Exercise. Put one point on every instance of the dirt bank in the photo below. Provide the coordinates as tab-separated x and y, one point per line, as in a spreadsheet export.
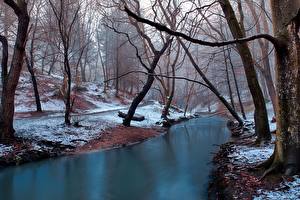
120	136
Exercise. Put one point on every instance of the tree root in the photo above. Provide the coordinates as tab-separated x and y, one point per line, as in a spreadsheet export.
274	167
268	163
264	165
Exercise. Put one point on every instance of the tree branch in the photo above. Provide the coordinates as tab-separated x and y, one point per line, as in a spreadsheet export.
14	6
158	75
164	28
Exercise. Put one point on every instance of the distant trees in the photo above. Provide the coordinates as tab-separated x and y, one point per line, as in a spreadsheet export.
10	77
117	54
262	25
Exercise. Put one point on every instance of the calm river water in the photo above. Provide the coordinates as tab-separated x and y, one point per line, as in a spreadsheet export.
173	166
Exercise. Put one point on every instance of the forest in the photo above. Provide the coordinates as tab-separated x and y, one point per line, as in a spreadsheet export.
149	99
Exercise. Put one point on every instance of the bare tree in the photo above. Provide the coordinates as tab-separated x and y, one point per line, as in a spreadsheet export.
30	58
65	22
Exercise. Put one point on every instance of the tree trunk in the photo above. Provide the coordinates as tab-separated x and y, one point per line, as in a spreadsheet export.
286	22
228	81
4	66
261	122
263	83
8	95
264	48
117	71
167	106
165	111
53	61
68	94
236	86
138	99
34	84
210	85
150	79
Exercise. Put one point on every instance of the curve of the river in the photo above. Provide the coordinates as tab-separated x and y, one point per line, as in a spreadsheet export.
174	166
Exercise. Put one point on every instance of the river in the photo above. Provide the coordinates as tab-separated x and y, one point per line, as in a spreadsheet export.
173	166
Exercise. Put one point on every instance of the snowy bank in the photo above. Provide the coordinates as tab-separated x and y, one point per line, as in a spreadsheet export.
288	190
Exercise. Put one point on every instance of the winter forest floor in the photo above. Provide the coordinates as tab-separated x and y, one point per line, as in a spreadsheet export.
97	126
236	177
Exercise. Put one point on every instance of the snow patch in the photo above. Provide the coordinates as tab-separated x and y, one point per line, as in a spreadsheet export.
287	190
53	129
251	155
269	106
4	149
151	112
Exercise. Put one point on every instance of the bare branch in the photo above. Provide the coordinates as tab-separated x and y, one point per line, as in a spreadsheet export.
164	28
159	75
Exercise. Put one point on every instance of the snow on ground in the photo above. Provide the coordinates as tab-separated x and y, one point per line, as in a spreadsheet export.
92	125
286	190
49	105
269	106
151	112
96	111
201	109
255	155
4	149
88	95
251	155
54	129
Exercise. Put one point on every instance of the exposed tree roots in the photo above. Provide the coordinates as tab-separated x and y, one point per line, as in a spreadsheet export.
273	168
266	164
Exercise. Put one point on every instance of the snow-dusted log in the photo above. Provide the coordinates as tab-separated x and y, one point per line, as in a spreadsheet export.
138	118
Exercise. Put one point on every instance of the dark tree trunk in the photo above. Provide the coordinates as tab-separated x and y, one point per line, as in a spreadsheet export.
165	111
150	79
138	99
8	94
262	125
34	84
228	80
4	72
286	22
68	94
236	86
167	106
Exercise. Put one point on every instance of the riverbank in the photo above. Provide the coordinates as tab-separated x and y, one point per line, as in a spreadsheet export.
235	175
120	136
115	137
47	137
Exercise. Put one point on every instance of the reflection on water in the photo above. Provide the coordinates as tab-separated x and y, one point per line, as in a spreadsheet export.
174	166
